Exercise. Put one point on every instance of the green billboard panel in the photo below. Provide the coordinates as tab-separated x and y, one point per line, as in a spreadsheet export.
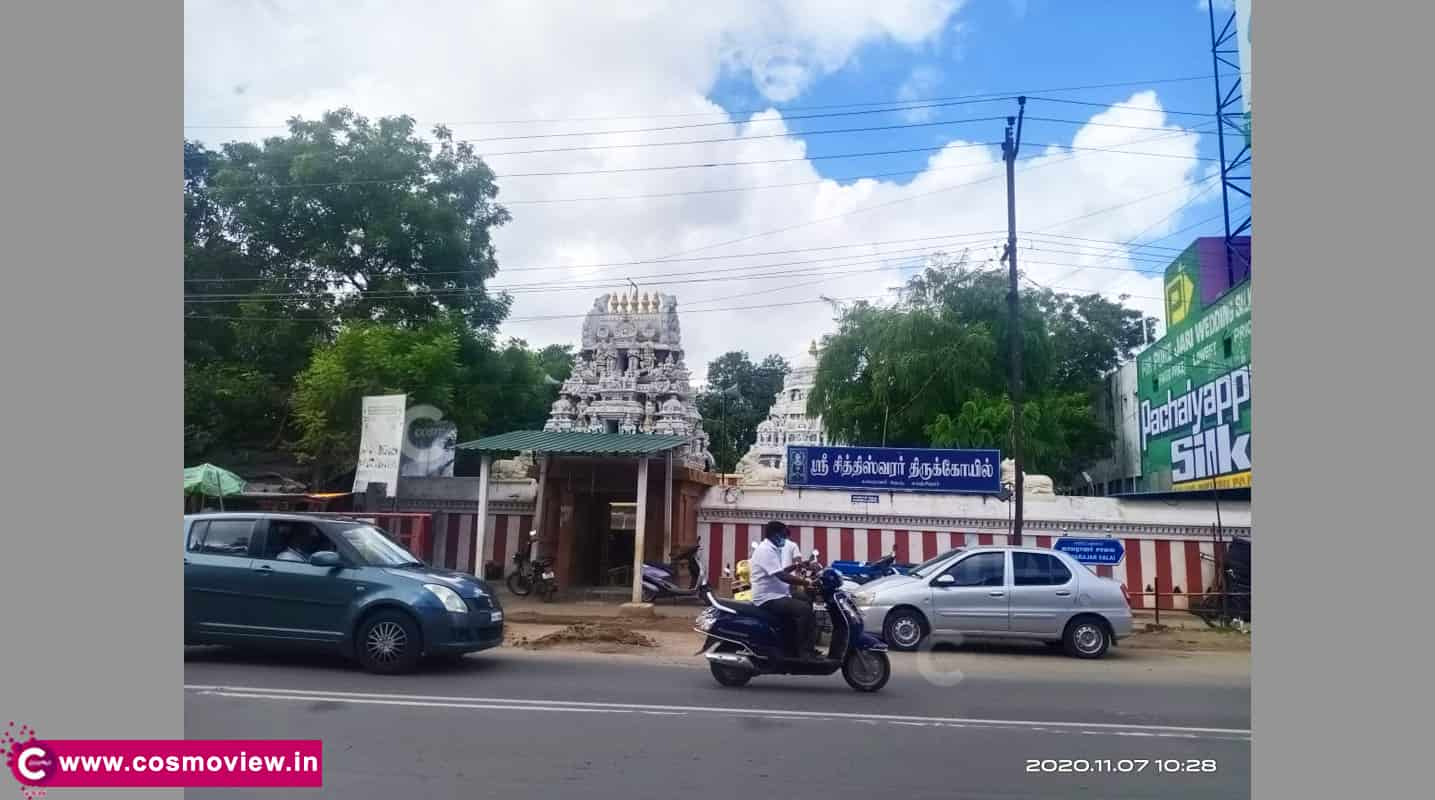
1195	399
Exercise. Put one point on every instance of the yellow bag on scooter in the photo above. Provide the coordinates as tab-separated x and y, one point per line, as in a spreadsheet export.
742	582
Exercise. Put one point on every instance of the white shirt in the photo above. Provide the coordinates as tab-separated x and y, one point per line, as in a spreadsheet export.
766	561
791	553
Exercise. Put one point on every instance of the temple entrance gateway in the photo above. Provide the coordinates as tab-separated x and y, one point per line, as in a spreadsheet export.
623	458
604	502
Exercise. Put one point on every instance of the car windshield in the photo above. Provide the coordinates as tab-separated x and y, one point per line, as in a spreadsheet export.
927	566
377	549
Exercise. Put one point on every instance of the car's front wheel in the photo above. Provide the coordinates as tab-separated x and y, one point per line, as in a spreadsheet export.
388	643
904	629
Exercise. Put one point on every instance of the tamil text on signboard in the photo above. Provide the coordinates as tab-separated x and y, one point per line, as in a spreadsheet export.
1105	552
894	469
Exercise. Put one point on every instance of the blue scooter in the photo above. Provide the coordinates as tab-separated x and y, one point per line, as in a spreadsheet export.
744	641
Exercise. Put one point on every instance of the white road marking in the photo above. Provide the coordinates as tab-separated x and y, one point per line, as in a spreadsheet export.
520	704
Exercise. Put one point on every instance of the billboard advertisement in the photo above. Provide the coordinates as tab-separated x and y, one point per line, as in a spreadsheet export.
1194	399
894	469
1199	276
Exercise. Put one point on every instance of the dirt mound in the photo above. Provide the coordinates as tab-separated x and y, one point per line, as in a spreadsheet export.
602	635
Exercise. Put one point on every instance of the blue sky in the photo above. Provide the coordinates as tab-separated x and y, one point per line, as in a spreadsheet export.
612	72
1011	46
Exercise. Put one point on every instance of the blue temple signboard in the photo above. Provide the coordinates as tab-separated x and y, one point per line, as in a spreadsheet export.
894	469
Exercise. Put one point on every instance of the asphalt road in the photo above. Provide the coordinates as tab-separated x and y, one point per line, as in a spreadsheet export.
512	723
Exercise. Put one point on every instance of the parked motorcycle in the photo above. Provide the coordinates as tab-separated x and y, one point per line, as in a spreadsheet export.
532	575
1232	593
743	641
660	580
860	572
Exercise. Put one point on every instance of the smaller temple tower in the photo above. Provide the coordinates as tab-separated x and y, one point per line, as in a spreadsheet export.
788	421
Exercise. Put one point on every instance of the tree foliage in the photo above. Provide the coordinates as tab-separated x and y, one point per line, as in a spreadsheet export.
343	258
443	363
738	396
932	370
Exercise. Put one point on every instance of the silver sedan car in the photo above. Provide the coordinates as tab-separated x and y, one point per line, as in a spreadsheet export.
999	592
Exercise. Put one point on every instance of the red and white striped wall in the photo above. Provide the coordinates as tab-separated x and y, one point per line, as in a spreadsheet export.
1185	564
454	540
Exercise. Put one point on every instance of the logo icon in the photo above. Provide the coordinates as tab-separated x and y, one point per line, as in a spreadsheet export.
1178	298
30	760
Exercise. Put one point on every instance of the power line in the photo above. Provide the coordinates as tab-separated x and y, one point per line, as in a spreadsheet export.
865	209
1127	106
809	134
751	188
545	288
1129	203
1192	201
547	317
622	170
886	107
708	165
1101	241
606	264
1125	152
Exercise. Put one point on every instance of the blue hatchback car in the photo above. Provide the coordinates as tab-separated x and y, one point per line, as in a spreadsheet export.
340	584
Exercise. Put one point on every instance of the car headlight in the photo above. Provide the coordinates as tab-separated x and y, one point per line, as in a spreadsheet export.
448	597
864	599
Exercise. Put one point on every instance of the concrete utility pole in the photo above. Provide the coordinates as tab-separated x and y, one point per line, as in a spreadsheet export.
1014	335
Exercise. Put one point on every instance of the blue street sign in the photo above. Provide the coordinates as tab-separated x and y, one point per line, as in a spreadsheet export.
894	469
866	498
1105	552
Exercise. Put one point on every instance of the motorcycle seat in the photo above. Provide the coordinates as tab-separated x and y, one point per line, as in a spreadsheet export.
749	610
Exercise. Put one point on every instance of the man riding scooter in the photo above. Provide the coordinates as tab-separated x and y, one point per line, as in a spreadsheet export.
773	573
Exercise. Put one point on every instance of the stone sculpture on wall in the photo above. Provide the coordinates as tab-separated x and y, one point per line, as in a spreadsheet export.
1031	484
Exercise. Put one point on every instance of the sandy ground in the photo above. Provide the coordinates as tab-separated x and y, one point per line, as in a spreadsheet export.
1186	654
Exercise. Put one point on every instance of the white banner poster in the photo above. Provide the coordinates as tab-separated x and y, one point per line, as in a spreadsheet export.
381	442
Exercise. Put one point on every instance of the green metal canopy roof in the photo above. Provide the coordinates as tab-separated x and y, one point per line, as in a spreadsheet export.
576	443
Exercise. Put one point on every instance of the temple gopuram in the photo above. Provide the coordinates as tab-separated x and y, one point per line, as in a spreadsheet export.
630	377
787	423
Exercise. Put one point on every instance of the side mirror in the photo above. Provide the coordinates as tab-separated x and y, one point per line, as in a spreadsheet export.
945	579
815	554
325	558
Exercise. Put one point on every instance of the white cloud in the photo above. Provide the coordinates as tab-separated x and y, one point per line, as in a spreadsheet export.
459	62
921	84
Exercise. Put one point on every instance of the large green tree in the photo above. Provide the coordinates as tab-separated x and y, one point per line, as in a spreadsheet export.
345	237
932	369
736	400
481	387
